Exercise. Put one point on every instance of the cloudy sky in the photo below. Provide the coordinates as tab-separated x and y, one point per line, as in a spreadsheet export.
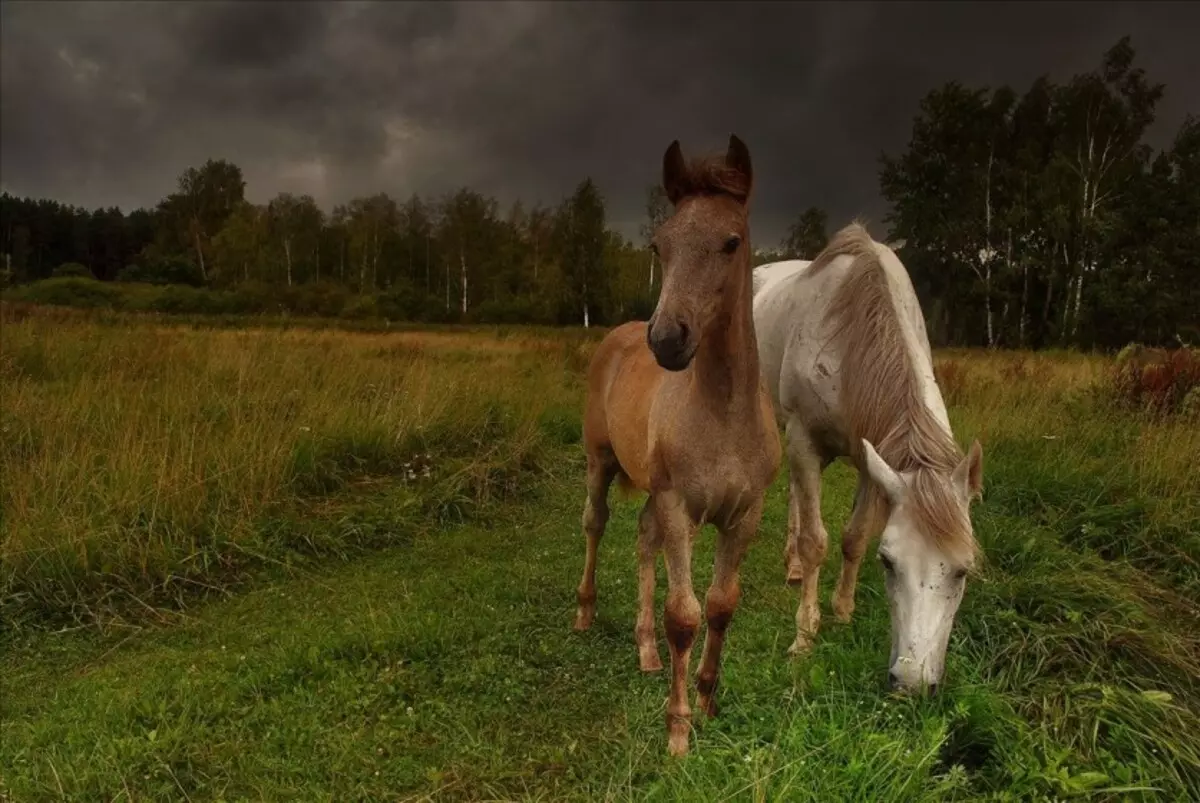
105	103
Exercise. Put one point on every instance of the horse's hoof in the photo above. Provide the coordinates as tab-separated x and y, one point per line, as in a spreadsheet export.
583	619
801	646
677	743
843	612
648	659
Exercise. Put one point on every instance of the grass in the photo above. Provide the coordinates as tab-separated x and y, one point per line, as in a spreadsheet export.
397	636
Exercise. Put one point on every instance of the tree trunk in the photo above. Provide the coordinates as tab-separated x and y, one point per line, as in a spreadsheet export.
987	298
374	257
287	253
650	285
362	271
199	252
1078	302
462	258
1024	301
987	244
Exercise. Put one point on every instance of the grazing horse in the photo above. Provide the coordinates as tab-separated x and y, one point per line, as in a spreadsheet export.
677	408
843	348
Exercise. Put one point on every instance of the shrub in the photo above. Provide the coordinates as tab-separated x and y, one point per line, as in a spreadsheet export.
401	302
72	270
359	307
152	268
322	299
1155	380
504	311
71	291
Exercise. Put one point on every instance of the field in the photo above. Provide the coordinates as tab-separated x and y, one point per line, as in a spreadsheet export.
269	562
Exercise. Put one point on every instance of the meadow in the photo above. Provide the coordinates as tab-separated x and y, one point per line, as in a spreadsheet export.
264	562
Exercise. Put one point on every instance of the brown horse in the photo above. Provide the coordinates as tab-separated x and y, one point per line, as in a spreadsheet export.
677	408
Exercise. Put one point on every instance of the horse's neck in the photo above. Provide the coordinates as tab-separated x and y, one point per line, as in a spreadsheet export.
909	316
727	369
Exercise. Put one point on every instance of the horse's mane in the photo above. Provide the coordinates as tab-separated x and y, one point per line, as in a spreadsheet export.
881	397
710	175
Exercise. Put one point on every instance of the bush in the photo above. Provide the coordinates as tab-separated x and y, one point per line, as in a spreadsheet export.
160	269
505	311
1155	380
401	302
358	308
322	299
71	291
72	270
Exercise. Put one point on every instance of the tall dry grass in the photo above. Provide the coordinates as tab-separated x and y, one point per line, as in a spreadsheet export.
136	454
1061	445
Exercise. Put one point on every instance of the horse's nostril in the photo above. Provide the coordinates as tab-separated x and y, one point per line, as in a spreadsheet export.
683	332
933	688
893	679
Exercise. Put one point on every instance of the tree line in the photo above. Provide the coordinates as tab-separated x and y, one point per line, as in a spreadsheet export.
1031	220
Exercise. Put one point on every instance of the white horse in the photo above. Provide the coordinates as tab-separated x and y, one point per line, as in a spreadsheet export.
843	348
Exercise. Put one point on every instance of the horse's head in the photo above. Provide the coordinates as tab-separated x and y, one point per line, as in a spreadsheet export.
703	247
927	550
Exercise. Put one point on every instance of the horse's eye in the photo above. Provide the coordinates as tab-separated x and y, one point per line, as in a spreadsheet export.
888	566
731	245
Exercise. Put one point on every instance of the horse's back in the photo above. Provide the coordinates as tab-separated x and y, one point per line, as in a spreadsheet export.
770	273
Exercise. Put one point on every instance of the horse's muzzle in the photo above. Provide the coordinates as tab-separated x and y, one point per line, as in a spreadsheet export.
671	343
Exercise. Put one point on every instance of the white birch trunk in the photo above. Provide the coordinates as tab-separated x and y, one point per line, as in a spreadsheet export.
287	254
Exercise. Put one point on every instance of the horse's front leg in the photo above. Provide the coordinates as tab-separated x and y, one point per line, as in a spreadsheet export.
681	615
600	474
856	537
649	543
722	601
807	539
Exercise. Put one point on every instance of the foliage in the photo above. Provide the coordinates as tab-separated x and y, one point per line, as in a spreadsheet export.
808	235
1030	220
72	269
1042	220
1159	381
380	527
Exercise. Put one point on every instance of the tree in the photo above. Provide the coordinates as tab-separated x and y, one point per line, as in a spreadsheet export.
468	234
579	241
658	209
295	224
239	248
808	235
204	200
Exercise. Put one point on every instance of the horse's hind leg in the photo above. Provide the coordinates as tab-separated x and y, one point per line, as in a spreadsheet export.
855	538
601	469
649	544
807	539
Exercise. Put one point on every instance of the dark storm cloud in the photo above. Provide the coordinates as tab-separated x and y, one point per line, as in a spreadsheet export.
105	103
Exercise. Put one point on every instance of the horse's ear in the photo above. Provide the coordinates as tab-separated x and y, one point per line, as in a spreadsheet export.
882	474
674	173
968	475
737	157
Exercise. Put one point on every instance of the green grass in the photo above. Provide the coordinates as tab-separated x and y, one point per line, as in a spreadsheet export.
403	641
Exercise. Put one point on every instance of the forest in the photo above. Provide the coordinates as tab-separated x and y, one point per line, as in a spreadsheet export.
1034	220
